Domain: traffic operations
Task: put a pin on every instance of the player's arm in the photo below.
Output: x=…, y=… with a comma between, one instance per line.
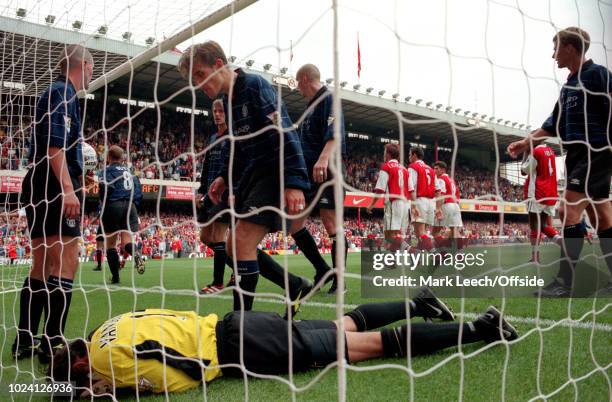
x=295, y=173
x=379, y=189
x=412, y=183
x=57, y=156
x=548, y=129
x=320, y=168
x=440, y=189
x=137, y=194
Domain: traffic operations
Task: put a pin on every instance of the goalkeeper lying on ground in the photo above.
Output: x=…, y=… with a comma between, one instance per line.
x=129, y=351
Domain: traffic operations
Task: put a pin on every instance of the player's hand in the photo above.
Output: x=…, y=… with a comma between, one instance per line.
x=72, y=206
x=518, y=147
x=370, y=209
x=439, y=213
x=415, y=212
x=216, y=190
x=294, y=199
x=90, y=182
x=99, y=387
x=319, y=171
x=200, y=202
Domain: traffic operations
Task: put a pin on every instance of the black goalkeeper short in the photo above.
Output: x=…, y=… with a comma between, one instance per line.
x=266, y=343
x=588, y=171
x=41, y=195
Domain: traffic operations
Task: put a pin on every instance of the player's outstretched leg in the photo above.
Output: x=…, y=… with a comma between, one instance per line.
x=427, y=338
x=375, y=315
x=32, y=300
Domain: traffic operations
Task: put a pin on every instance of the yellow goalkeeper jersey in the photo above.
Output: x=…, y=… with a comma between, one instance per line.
x=156, y=350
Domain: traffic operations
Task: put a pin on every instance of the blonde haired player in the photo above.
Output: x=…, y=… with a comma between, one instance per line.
x=394, y=184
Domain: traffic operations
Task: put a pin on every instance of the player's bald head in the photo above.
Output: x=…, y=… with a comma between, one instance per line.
x=310, y=71
x=72, y=56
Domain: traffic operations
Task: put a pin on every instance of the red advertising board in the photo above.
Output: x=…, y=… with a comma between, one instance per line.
x=485, y=207
x=354, y=201
x=179, y=193
x=10, y=184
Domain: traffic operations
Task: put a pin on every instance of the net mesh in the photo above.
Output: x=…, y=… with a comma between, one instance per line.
x=163, y=121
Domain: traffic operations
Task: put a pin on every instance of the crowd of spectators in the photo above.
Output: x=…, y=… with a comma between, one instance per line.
x=171, y=152
x=176, y=234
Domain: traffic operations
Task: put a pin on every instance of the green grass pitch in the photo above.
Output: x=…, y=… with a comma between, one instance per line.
x=572, y=356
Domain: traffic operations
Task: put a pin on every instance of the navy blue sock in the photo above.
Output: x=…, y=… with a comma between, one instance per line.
x=426, y=338
x=303, y=239
x=573, y=239
x=247, y=274
x=60, y=296
x=32, y=301
x=274, y=272
x=219, y=262
x=113, y=262
x=375, y=315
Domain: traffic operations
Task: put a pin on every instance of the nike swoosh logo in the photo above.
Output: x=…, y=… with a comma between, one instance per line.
x=358, y=201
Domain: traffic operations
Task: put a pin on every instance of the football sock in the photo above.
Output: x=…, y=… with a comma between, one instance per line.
x=247, y=275
x=375, y=315
x=32, y=300
x=335, y=256
x=219, y=262
x=113, y=262
x=99, y=258
x=550, y=231
x=573, y=240
x=60, y=296
x=426, y=338
x=274, y=272
x=308, y=246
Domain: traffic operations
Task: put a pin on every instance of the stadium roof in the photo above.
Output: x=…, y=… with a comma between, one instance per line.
x=28, y=49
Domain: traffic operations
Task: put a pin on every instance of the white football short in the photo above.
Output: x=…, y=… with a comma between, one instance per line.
x=397, y=213
x=426, y=208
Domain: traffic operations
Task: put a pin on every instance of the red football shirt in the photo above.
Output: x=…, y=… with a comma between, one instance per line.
x=448, y=187
x=393, y=180
x=541, y=169
x=423, y=177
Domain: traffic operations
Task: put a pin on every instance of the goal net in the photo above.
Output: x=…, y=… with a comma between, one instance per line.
x=166, y=251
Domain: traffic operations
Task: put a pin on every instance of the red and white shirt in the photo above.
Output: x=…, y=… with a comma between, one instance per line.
x=423, y=179
x=541, y=171
x=393, y=180
x=446, y=186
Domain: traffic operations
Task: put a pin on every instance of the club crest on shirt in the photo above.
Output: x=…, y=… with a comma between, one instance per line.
x=330, y=120
x=144, y=385
x=67, y=121
x=245, y=110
